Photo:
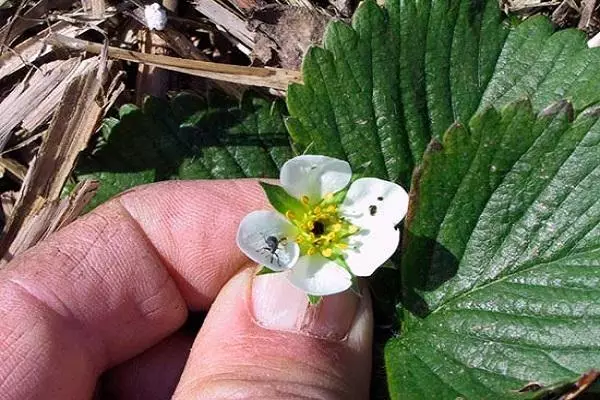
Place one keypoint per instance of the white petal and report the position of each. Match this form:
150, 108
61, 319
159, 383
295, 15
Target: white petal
314, 176
319, 276
373, 202
376, 207
370, 248
266, 238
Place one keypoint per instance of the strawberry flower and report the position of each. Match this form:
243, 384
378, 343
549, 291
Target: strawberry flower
325, 231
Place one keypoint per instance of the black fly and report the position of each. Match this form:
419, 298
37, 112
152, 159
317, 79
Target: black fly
372, 210
272, 245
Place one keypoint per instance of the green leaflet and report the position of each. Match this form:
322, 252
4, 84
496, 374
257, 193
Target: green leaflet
187, 139
501, 257
380, 90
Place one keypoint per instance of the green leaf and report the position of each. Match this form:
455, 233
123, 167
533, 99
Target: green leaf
281, 200
314, 300
381, 89
501, 257
187, 138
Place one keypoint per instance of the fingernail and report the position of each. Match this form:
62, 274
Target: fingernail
278, 305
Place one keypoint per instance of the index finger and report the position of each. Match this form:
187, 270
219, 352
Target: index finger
115, 282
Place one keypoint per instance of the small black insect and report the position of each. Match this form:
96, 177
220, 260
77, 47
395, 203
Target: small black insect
380, 198
372, 209
272, 245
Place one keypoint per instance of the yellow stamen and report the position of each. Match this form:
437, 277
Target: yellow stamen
320, 227
327, 252
329, 237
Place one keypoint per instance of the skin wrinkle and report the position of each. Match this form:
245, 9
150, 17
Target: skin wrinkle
275, 366
167, 278
9, 379
69, 320
94, 340
39, 352
222, 386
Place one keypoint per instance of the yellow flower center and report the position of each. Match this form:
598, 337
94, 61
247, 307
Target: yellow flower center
321, 229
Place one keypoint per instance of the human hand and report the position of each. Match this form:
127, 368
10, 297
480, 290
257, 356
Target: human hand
107, 296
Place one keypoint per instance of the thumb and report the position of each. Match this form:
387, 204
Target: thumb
261, 339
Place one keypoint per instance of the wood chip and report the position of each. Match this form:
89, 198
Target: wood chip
70, 130
151, 80
31, 93
7, 203
587, 10
40, 113
95, 8
51, 217
560, 15
228, 20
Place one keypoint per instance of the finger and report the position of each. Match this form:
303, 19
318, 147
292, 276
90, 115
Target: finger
115, 283
262, 340
153, 375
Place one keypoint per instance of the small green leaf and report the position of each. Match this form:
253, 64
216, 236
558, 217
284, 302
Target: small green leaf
187, 138
281, 200
313, 300
266, 270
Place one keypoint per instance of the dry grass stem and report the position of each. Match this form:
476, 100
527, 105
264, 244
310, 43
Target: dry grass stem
34, 48
17, 26
15, 169
264, 77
